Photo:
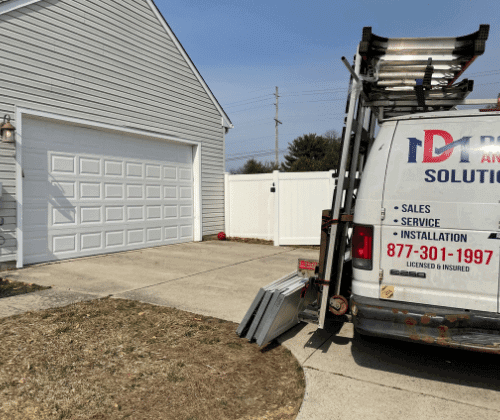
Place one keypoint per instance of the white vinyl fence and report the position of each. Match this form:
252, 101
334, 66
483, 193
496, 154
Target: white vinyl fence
282, 207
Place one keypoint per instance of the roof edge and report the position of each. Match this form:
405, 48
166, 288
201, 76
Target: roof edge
15, 4
226, 121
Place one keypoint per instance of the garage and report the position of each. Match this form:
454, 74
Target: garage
88, 191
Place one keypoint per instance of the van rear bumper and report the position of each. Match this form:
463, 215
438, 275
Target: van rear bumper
442, 326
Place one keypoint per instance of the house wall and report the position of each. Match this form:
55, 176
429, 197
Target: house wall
108, 61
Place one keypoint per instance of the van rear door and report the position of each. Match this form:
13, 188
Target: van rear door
440, 240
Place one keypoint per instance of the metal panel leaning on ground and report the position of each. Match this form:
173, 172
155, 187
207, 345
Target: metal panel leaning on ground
112, 62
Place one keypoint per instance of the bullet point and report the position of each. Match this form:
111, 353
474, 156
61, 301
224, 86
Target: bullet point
395, 233
396, 208
395, 220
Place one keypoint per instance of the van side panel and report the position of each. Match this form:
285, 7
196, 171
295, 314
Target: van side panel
439, 242
369, 205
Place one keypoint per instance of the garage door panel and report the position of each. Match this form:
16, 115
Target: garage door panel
90, 166
135, 236
186, 192
153, 212
171, 232
170, 173
134, 170
135, 191
91, 214
153, 192
135, 213
113, 168
185, 174
92, 241
92, 192
186, 231
62, 164
154, 234
186, 211
64, 243
115, 214
170, 212
114, 191
115, 239
63, 216
153, 172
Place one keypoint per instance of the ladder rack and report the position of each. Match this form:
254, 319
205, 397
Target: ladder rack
391, 77
408, 72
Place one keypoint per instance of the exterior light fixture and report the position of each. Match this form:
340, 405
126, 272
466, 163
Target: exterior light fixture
7, 130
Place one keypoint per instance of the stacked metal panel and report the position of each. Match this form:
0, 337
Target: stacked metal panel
275, 309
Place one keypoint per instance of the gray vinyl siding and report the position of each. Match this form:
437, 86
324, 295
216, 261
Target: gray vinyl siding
108, 61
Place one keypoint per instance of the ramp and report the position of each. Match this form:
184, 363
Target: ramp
275, 309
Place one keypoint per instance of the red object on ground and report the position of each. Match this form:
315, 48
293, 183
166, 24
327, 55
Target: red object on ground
221, 236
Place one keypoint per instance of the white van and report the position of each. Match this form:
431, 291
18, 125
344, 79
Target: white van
426, 238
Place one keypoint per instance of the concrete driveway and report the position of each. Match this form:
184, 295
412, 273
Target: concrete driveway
347, 377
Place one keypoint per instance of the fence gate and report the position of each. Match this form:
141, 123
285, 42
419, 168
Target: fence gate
282, 207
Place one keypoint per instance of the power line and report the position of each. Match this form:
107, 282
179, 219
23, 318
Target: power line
253, 121
249, 109
248, 103
257, 153
249, 99
240, 141
317, 93
321, 100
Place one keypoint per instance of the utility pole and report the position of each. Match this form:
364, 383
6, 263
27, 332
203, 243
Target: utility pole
277, 122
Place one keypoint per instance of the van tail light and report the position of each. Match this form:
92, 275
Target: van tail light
362, 243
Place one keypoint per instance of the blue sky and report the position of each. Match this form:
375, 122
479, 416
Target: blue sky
243, 49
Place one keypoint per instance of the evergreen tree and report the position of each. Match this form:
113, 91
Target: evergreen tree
253, 166
311, 152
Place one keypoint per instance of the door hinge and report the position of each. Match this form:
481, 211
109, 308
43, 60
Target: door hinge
382, 213
380, 275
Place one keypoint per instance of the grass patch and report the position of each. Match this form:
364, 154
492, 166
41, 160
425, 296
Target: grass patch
115, 359
10, 288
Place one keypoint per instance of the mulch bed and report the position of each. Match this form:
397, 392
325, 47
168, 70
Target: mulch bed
121, 359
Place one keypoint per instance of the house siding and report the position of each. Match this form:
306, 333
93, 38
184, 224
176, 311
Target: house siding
109, 61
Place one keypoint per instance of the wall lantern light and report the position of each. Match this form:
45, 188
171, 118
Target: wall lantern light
7, 130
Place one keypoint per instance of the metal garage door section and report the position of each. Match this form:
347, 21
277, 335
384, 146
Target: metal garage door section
88, 192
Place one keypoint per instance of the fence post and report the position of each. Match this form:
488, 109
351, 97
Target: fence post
276, 180
227, 205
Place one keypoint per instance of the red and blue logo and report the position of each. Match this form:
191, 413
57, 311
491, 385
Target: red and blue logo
489, 149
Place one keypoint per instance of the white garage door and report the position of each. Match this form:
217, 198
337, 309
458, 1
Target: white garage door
87, 191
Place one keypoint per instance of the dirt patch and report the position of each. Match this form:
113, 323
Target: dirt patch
116, 359
10, 288
257, 242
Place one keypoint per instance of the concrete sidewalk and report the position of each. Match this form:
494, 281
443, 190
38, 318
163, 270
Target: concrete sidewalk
347, 377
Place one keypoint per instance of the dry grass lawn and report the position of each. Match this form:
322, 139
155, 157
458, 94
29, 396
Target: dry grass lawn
120, 359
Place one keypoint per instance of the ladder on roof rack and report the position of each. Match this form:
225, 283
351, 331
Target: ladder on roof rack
391, 77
